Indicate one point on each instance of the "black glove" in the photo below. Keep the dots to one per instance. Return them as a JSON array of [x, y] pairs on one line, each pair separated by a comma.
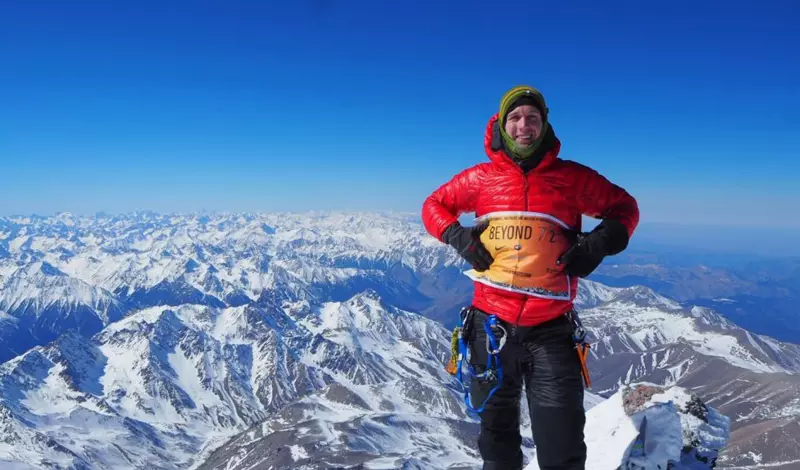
[[587, 252], [467, 243]]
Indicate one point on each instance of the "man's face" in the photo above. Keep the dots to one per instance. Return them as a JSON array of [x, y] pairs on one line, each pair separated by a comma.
[[524, 124]]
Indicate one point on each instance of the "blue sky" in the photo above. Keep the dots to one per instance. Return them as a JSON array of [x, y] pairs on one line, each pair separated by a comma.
[[329, 104]]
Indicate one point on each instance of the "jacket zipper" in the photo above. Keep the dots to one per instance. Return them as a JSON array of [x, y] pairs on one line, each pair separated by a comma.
[[525, 202]]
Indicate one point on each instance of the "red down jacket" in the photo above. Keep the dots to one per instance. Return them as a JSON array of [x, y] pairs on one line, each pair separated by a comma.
[[561, 188]]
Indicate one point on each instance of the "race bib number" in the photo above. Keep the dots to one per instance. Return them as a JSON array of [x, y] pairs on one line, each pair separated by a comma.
[[525, 247]]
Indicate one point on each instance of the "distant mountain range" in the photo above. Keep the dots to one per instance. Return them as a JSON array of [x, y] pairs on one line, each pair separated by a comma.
[[759, 293], [173, 340], [82, 273]]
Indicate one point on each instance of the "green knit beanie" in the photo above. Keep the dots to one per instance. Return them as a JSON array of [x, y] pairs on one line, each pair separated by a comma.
[[507, 104]]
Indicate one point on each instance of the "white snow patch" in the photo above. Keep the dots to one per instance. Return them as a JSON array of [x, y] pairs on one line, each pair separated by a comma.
[[298, 452], [53, 396], [610, 433]]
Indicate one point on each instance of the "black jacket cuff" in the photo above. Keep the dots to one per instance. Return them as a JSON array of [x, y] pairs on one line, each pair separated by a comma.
[[450, 232]]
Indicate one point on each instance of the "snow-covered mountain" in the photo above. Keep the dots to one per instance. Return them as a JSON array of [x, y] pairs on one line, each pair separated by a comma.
[[399, 424], [157, 388], [635, 321], [45, 302], [179, 332]]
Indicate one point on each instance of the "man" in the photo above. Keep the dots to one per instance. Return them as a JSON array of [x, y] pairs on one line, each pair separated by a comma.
[[527, 253]]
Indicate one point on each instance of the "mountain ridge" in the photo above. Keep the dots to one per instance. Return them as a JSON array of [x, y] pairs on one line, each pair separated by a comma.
[[134, 261]]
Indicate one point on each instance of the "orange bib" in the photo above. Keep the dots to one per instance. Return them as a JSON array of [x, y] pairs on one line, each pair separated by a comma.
[[525, 247]]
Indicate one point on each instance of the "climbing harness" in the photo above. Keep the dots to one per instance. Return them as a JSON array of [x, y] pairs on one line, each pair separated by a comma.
[[495, 340], [461, 367], [581, 345]]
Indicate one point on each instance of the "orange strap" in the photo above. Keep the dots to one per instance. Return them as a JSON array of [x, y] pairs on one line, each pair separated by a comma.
[[452, 366], [583, 354]]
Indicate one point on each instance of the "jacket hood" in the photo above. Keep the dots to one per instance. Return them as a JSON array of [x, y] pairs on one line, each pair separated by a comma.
[[493, 144]]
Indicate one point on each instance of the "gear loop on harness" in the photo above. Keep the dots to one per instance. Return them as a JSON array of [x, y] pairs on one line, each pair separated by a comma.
[[581, 345], [493, 370]]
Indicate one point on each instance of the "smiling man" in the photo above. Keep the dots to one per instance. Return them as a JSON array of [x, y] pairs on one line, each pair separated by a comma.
[[526, 268], [523, 109]]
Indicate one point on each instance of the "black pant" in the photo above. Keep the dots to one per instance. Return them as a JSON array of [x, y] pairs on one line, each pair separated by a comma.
[[543, 359]]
